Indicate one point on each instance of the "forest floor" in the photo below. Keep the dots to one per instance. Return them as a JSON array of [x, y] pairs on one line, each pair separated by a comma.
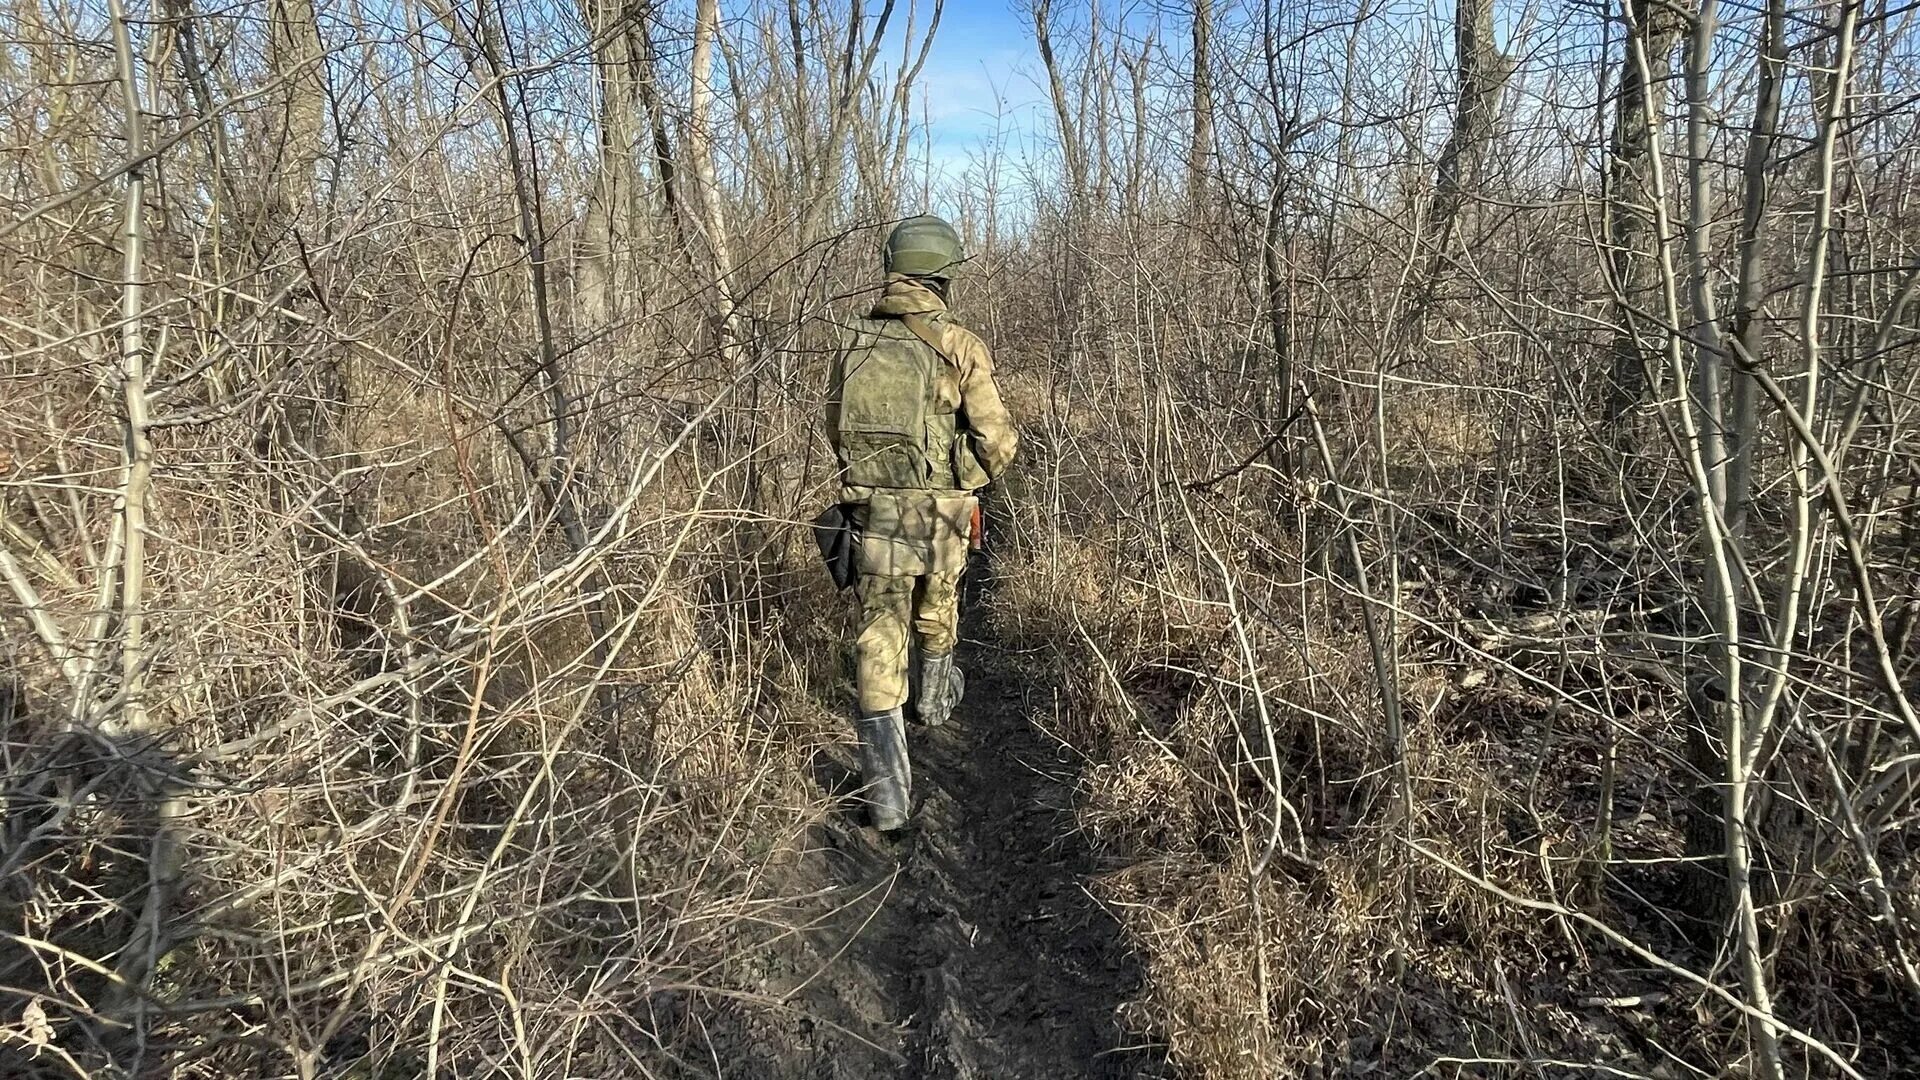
[[972, 947], [968, 946]]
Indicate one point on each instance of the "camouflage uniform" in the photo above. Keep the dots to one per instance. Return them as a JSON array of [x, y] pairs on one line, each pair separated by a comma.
[[914, 540]]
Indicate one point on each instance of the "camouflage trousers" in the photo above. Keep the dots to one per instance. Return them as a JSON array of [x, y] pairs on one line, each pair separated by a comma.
[[895, 610]]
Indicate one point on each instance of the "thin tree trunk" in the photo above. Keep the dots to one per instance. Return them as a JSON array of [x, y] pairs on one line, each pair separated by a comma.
[[193, 72], [607, 232], [1279, 389], [665, 164], [147, 940], [294, 52], [713, 217], [137, 472], [1070, 142], [1652, 32], [1480, 75], [1721, 588], [1805, 481], [524, 164], [1748, 329], [1707, 353], [1200, 150], [1137, 144], [902, 119], [1382, 645]]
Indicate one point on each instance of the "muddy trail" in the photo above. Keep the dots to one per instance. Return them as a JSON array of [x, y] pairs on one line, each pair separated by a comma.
[[967, 947]]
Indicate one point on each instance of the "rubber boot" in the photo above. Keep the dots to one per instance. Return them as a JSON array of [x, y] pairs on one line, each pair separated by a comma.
[[941, 686], [884, 768]]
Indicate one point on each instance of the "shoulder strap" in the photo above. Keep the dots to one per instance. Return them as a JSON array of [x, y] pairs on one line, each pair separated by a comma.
[[923, 330]]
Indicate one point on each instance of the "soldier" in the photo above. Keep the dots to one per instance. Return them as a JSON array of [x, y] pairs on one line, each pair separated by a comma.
[[918, 426]]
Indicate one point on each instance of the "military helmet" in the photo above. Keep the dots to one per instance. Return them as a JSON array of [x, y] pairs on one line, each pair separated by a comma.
[[923, 246]]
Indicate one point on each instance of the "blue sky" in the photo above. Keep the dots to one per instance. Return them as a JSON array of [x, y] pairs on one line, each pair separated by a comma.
[[982, 81]]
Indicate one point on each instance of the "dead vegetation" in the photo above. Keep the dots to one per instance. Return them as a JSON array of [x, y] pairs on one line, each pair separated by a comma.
[[1463, 554]]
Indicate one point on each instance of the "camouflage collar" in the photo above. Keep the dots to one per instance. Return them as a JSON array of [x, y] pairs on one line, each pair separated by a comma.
[[906, 297]]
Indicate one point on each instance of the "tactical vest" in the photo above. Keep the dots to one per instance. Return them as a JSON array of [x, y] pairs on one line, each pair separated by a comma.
[[893, 431]]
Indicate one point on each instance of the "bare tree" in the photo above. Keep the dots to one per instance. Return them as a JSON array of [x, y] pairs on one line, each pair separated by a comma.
[[1653, 30], [413, 665], [1071, 141], [296, 56], [1746, 326], [614, 201], [1199, 155], [1480, 74]]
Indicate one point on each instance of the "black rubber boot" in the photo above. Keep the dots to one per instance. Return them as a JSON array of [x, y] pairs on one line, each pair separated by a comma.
[[885, 769], [942, 684]]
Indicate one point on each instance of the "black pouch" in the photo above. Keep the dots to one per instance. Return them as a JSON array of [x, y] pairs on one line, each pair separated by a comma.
[[833, 532]]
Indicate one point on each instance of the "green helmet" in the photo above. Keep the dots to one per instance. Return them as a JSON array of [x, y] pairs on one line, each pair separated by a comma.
[[923, 246]]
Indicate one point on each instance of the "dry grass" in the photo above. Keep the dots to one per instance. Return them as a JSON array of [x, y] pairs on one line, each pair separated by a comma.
[[1158, 698], [484, 719]]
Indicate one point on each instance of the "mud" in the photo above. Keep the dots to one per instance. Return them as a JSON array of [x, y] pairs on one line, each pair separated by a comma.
[[968, 947]]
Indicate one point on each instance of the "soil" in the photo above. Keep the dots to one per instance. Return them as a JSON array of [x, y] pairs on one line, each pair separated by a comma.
[[968, 946]]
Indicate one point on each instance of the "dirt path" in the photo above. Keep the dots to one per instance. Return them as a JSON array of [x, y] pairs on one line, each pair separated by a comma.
[[968, 948]]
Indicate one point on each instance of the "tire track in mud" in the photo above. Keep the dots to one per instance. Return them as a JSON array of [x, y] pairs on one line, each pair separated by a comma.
[[969, 948]]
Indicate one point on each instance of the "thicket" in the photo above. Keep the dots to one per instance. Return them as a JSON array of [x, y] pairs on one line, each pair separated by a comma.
[[1467, 509]]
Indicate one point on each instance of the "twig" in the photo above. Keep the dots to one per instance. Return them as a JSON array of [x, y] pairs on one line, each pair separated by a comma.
[[1258, 453], [42, 623], [1384, 668], [1641, 951]]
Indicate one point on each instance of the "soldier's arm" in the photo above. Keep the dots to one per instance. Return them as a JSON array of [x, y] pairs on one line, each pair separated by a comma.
[[994, 439]]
